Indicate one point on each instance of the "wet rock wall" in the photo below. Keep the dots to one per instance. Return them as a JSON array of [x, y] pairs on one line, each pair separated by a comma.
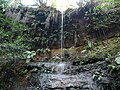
[[45, 24]]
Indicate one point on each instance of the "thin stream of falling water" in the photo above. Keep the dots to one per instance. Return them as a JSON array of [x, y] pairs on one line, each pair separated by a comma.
[[62, 53]]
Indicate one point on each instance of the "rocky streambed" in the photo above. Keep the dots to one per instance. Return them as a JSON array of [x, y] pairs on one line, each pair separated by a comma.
[[69, 76]]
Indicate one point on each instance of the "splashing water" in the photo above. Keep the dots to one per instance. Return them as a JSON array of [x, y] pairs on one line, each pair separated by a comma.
[[60, 68]]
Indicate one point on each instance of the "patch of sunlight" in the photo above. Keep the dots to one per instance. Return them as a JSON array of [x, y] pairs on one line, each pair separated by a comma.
[[61, 5], [28, 2]]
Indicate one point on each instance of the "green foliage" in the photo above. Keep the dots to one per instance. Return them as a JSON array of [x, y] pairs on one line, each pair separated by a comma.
[[28, 55], [101, 50], [11, 32], [117, 60], [97, 76], [102, 17], [11, 39], [105, 5], [3, 5], [114, 69]]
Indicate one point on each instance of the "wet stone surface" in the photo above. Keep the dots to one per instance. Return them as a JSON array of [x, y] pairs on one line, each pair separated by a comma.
[[83, 77]]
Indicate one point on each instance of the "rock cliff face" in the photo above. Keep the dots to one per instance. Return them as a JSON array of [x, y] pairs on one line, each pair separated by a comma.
[[46, 22], [45, 26]]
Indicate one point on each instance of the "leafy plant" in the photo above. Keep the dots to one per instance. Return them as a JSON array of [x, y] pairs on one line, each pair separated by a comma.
[[117, 60], [103, 17], [3, 5], [97, 76], [114, 69], [28, 55]]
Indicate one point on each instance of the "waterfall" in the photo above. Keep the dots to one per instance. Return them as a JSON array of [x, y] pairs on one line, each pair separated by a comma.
[[62, 24]]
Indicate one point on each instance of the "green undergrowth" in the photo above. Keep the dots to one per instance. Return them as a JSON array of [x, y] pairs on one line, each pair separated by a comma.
[[104, 49]]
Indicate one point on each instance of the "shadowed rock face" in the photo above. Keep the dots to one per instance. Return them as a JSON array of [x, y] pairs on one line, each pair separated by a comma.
[[84, 77], [46, 23]]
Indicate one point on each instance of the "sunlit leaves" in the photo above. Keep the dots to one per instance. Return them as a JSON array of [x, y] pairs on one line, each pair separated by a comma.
[[117, 60]]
